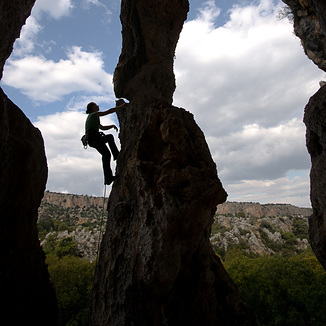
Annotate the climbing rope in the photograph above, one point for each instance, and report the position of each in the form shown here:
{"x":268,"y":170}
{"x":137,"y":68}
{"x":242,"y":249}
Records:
{"x":101,"y":224}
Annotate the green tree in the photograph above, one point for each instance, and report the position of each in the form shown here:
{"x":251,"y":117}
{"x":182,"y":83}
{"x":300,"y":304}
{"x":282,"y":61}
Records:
{"x":66,"y":246}
{"x":280,"y":291}
{"x":73,"y":280}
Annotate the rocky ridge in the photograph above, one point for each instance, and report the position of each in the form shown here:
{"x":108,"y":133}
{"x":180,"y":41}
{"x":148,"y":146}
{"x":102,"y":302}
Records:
{"x":262,"y":210}
{"x":252,"y":227}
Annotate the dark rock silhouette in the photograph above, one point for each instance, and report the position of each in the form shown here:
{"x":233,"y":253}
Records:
{"x":156,"y":265}
{"x":315,"y":120}
{"x":27,"y":292}
{"x":310,"y":26}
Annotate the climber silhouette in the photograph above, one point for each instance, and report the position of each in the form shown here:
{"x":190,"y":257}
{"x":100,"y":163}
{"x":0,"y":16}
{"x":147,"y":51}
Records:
{"x":98,"y":139}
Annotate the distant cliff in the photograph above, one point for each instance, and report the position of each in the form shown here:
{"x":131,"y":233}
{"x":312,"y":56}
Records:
{"x":71,"y":200}
{"x":251,"y":227}
{"x":68,"y":201}
{"x":258,"y":210}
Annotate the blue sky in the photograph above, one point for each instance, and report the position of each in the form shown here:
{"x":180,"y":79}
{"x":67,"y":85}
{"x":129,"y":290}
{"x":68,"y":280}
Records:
{"x":239,"y":70}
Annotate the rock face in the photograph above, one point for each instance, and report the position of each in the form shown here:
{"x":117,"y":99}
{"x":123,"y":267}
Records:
{"x":12,"y":17}
{"x":156,"y":265}
{"x":150,"y":32}
{"x":27,"y":293}
{"x":315,"y":120}
{"x":310,"y":26}
{"x":24,"y":280}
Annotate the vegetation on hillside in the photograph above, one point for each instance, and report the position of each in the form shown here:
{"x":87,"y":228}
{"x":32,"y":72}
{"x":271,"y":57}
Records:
{"x":282,"y":289}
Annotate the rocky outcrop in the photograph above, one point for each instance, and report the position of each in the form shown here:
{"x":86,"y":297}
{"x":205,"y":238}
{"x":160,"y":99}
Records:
{"x":27,"y":293}
{"x":87,"y":241}
{"x":13,"y":15}
{"x":315,"y":120}
{"x":258,"y":210}
{"x":150,"y":32}
{"x":156,"y":265}
{"x":310,"y":26}
{"x":24,"y":280}
{"x":260,"y":236}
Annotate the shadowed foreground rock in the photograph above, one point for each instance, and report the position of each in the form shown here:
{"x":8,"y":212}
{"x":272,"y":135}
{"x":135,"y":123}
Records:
{"x":156,"y":264}
{"x":315,"y":120}
{"x":27,"y":293}
{"x":310,"y":27}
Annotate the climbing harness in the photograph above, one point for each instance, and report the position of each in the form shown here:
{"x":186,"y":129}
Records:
{"x":101,"y":224}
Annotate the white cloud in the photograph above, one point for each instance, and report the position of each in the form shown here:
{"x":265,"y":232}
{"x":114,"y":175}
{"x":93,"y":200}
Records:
{"x":281,"y":190}
{"x":46,"y":80}
{"x":247,"y":83}
{"x":72,"y":168}
{"x":257,"y":153}
{"x":56,"y":9}
{"x":26,"y":42}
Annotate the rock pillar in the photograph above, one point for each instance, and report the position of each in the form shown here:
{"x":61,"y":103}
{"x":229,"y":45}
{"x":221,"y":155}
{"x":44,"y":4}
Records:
{"x":156,"y":265}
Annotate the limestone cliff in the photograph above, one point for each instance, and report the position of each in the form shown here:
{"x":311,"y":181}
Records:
{"x":156,"y":265}
{"x":71,"y":200}
{"x":310,"y":26}
{"x":258,"y":210}
{"x":27,"y":292}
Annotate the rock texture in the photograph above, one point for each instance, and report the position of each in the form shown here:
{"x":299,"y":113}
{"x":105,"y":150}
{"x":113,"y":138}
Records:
{"x":258,"y":236}
{"x":150,"y":32}
{"x":310,"y":27}
{"x":27,"y":293}
{"x":156,"y":264}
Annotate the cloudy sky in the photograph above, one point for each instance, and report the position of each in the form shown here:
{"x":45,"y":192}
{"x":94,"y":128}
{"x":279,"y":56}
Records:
{"x":239,"y":69}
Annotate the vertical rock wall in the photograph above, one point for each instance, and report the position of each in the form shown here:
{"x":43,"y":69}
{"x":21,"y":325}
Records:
{"x":315,"y":120}
{"x":310,"y":26}
{"x":156,"y":265}
{"x":27,"y":294}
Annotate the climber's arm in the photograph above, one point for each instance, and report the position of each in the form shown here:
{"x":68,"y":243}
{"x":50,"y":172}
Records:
{"x":112,"y":110}
{"x":108,"y":127}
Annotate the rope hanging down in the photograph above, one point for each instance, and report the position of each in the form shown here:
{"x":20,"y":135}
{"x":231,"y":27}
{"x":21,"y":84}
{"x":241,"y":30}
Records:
{"x":101,"y":223}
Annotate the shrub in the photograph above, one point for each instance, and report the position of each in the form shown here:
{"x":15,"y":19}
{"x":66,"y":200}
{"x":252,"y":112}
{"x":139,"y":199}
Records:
{"x":216,"y":228}
{"x":289,"y":238}
{"x":267,"y":225}
{"x":300,"y":228}
{"x":66,"y":247}
{"x":73,"y":280}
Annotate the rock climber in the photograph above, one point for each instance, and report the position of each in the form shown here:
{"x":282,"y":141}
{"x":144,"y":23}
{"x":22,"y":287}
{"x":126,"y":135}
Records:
{"x":98,"y":139}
